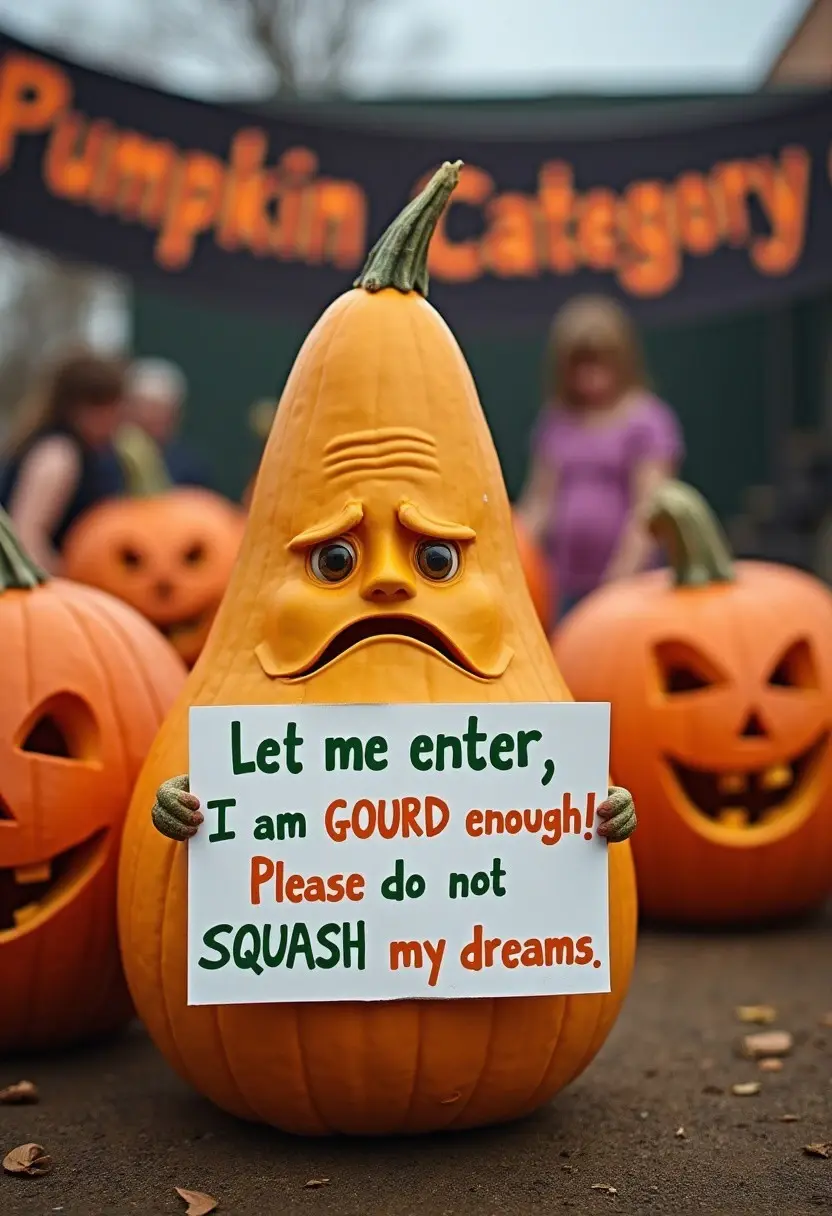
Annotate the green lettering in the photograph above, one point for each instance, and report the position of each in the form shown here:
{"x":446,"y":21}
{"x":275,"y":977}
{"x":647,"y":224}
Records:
{"x":324,"y":937}
{"x":356,"y":943}
{"x":263,"y":828}
{"x":525,"y":738}
{"x":246,"y":960}
{"x":291,"y":743}
{"x":291,"y":824}
{"x":221,"y":805}
{"x":443,"y":743}
{"x":472,"y":737}
{"x":501,"y":745}
{"x":210,"y":940}
{"x":274,"y":960}
{"x":349,"y":752}
{"x":421,"y":746}
{"x":238,"y":765}
{"x":375,"y":753}
{"x":265,"y":751}
{"x":300,"y":943}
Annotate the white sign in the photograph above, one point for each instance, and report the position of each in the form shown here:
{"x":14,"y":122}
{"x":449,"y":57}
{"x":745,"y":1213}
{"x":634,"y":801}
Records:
{"x":380,"y":852}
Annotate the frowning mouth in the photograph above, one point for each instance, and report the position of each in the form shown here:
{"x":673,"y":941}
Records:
{"x":27,"y":891}
{"x":382,"y":627}
{"x":748,"y":798}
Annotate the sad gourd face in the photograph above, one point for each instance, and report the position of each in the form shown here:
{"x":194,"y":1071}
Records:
{"x":398,"y":559}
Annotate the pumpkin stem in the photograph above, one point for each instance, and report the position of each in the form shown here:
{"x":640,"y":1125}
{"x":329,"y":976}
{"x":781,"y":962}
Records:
{"x":686,"y":527}
{"x":17,"y":570}
{"x":399,"y":258}
{"x":142,"y":463}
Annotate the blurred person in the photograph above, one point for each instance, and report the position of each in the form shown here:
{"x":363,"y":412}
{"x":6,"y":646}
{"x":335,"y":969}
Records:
{"x":57,"y":460}
{"x":155,"y":397}
{"x":602,"y":444}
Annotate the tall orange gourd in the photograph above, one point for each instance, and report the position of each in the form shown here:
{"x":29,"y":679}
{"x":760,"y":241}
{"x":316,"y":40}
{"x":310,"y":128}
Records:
{"x":379,"y":461}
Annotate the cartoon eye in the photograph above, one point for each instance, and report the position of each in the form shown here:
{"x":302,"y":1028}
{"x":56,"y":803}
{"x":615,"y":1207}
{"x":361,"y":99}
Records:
{"x":333,"y":561}
{"x":437,"y":560}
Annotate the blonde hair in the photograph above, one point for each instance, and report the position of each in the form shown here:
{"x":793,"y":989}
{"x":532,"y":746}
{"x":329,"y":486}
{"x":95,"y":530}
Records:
{"x":594,"y":327}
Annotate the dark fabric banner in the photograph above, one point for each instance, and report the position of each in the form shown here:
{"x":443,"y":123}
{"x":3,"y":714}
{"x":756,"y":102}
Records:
{"x":277,"y":213}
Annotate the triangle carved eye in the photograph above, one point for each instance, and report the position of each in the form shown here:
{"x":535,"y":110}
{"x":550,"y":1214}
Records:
{"x":795,"y":668}
{"x":5,"y":814}
{"x":62,"y":728}
{"x":682,"y":669}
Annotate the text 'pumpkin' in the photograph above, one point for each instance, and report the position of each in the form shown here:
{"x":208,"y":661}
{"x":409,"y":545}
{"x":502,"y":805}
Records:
{"x":378,"y":565}
{"x":86,"y":683}
{"x":720,"y":678}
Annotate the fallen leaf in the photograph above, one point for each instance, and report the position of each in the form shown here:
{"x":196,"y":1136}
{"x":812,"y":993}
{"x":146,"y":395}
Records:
{"x":31,"y":1159}
{"x":680,"y":1133}
{"x":790,"y":1118}
{"x":314,"y":1183}
{"x":746,"y":1089}
{"x":19,"y":1094}
{"x":199,"y":1204}
{"x":602,"y":1186}
{"x":767,"y":1043}
{"x":825,"y":1019}
{"x":762,"y":1015}
{"x":818,"y":1150}
{"x":770,"y":1064}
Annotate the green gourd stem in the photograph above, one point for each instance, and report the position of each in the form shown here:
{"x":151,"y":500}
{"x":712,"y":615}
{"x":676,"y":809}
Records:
{"x":399,"y":258}
{"x":142,"y":462}
{"x":683,"y":523}
{"x":17,"y":570}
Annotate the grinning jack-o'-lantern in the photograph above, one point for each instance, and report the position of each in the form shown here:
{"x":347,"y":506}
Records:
{"x":168,"y":555}
{"x":85,"y":684}
{"x":378,"y":565}
{"x":720,"y":678}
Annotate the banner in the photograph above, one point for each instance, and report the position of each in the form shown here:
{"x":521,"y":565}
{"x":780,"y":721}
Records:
{"x":382,"y":852}
{"x":277,"y":213}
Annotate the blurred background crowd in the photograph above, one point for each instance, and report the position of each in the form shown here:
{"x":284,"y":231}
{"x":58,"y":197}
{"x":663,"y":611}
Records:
{"x":588,"y":416}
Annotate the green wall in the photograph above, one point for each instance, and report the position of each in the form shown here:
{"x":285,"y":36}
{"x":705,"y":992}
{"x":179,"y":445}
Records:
{"x":718,"y":377}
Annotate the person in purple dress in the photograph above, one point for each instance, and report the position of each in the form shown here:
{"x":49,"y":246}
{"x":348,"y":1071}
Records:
{"x":601,"y":446}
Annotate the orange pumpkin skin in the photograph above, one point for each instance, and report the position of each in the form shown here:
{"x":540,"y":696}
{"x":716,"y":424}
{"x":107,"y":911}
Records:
{"x":536,"y":571}
{"x":380,"y":408}
{"x":105,"y":678}
{"x":711,"y":687}
{"x":169,"y":556}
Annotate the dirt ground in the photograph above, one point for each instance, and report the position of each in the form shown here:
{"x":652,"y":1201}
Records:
{"x":654,"y":1117}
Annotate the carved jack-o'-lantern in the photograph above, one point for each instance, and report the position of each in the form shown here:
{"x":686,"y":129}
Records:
{"x":169,"y":556}
{"x":85,"y":683}
{"x":720,"y":679}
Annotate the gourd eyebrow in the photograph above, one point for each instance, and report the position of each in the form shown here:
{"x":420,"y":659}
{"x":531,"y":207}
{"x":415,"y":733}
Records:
{"x":415,"y":520}
{"x":351,"y":515}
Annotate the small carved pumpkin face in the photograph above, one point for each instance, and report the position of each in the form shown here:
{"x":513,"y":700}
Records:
{"x":394,"y":563}
{"x":169,"y":557}
{"x":743,"y":733}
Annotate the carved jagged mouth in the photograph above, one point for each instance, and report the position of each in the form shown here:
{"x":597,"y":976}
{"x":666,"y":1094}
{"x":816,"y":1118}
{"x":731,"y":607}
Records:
{"x":748,"y":799}
{"x":384,"y":627}
{"x":26,"y":891}
{"x":176,"y":629}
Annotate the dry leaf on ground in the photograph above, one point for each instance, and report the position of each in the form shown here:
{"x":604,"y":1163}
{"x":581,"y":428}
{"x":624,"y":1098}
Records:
{"x":767,"y":1043}
{"x":770,"y":1064}
{"x":20,"y":1093}
{"x":746,"y":1089}
{"x":680,"y":1133}
{"x":790,"y":1118}
{"x":199,"y":1204}
{"x":31,"y":1159}
{"x":762,"y":1015}
{"x":603,"y":1186}
{"x":818,"y":1150}
{"x":314,"y":1183}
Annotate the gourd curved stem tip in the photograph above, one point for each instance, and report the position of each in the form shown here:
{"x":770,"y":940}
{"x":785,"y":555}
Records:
{"x":17,"y":570}
{"x":685,"y":526}
{"x":399,"y":258}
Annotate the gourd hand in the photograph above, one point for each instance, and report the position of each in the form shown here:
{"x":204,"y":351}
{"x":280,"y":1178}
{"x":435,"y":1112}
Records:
{"x":176,"y":812}
{"x":617,"y":815}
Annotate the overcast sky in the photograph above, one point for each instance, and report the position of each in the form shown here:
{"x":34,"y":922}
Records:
{"x":476,"y":46}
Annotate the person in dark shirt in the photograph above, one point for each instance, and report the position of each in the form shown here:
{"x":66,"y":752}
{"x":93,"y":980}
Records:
{"x":155,"y":397}
{"x":58,"y":460}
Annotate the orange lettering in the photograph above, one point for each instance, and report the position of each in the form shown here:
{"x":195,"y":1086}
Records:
{"x":192,"y":208}
{"x":784,"y":194}
{"x":32,"y":93}
{"x":696,"y":214}
{"x":557,"y":201}
{"x":460,"y":261}
{"x":74,"y":156}
{"x":509,"y":247}
{"x":596,"y":231}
